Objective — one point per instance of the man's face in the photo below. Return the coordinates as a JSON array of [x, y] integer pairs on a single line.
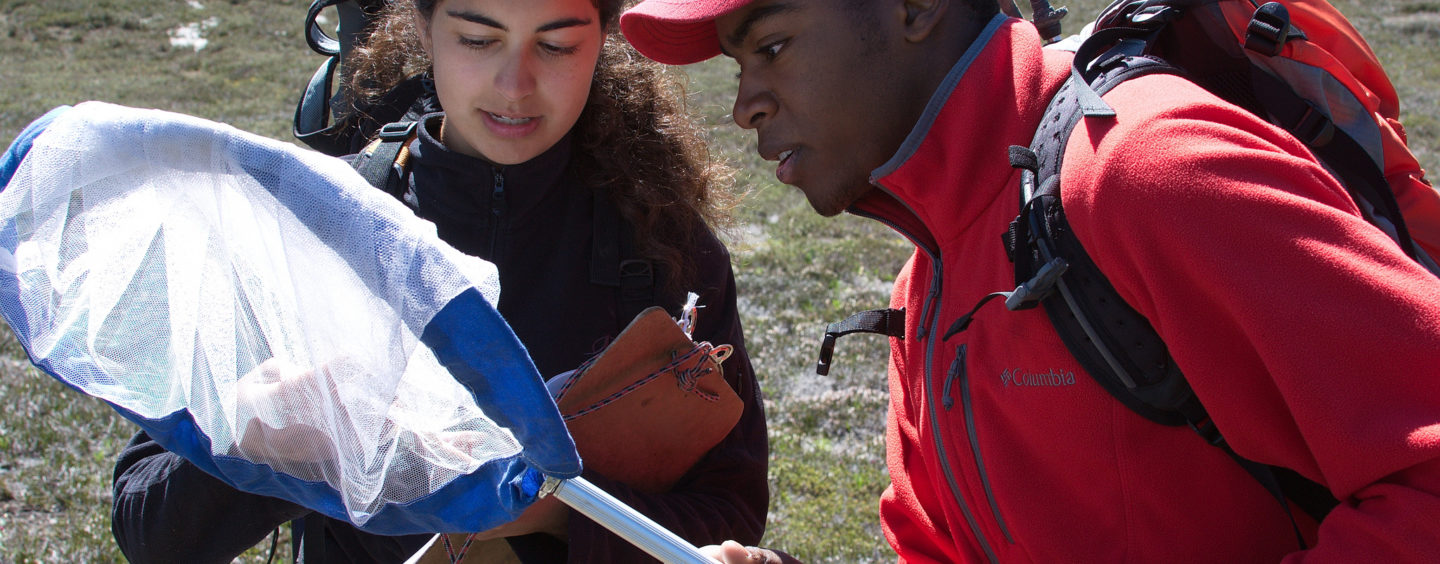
[[817, 84]]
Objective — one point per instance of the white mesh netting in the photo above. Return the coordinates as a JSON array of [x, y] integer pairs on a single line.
[[267, 290]]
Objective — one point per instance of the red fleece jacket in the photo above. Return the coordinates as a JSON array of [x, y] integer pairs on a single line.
[[1313, 342]]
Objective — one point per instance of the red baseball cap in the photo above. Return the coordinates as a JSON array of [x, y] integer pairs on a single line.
[[676, 32]]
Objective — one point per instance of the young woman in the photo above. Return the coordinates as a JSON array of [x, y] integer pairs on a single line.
[[564, 159]]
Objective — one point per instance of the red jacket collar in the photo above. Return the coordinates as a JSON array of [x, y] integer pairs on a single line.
[[955, 161]]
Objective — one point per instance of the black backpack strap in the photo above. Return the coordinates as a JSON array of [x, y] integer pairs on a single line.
[[888, 322], [383, 162], [312, 113], [1115, 344], [615, 261], [1086, 310]]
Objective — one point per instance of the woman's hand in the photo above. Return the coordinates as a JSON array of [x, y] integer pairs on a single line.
[[290, 395], [731, 552]]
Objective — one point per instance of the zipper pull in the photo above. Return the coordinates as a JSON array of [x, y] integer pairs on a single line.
[[497, 196], [957, 367]]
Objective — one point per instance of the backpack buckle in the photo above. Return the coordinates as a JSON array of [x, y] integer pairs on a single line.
[[1046, 18], [1313, 128], [397, 131], [1268, 30], [1207, 430], [636, 278], [1038, 287], [1156, 16]]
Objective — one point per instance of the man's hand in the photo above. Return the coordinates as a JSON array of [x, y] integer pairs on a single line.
[[731, 552]]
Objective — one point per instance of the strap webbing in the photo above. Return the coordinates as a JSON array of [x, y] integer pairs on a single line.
[[888, 322], [377, 163], [615, 261]]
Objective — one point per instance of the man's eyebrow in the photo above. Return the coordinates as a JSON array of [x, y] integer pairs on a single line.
[[737, 37], [476, 18]]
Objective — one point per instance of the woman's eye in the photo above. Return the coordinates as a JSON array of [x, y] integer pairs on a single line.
[[476, 43], [558, 49]]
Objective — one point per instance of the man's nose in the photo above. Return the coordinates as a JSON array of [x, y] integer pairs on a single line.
[[753, 104]]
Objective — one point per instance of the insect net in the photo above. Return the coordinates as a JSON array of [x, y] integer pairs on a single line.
[[262, 311]]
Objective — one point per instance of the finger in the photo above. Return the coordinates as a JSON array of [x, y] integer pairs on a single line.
[[731, 552]]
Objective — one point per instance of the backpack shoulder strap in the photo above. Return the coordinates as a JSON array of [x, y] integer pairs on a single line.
[[615, 261], [383, 162], [1086, 310]]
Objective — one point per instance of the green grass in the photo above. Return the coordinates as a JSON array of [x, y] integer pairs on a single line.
[[796, 271]]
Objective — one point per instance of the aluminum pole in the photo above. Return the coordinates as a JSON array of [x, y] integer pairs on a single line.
[[585, 497]]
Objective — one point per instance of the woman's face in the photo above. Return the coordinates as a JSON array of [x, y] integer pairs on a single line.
[[512, 75]]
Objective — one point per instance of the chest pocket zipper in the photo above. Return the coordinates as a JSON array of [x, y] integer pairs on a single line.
[[957, 372]]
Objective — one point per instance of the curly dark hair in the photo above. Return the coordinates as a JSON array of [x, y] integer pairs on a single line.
[[634, 136]]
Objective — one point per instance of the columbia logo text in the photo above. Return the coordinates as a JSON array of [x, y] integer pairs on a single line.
[[1016, 377]]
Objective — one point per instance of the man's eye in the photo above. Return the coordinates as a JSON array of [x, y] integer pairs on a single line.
[[770, 50]]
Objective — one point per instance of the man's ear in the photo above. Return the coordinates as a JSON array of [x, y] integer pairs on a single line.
[[922, 17]]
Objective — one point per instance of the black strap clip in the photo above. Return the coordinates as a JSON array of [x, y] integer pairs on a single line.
[[397, 131], [1313, 128], [1207, 430], [637, 276], [1268, 30]]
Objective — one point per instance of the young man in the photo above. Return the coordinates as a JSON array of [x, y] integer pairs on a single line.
[[1312, 340]]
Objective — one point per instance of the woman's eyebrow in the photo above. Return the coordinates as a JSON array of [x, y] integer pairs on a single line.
[[476, 18], [487, 21], [563, 23]]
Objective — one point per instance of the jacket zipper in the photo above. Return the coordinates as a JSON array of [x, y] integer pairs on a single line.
[[964, 378], [497, 208], [929, 325], [936, 431]]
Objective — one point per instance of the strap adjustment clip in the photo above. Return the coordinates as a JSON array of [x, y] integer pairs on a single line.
[[398, 131]]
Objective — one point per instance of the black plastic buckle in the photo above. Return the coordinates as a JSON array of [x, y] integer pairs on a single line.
[[1207, 430], [1047, 18], [1268, 30], [397, 131], [1038, 287], [1154, 17], [1313, 128], [636, 278]]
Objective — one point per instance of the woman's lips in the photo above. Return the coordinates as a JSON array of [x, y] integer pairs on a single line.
[[510, 126]]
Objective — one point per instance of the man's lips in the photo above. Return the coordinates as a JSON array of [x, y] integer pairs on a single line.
[[785, 157], [785, 171]]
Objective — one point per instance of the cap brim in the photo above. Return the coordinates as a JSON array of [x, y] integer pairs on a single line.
[[676, 32]]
